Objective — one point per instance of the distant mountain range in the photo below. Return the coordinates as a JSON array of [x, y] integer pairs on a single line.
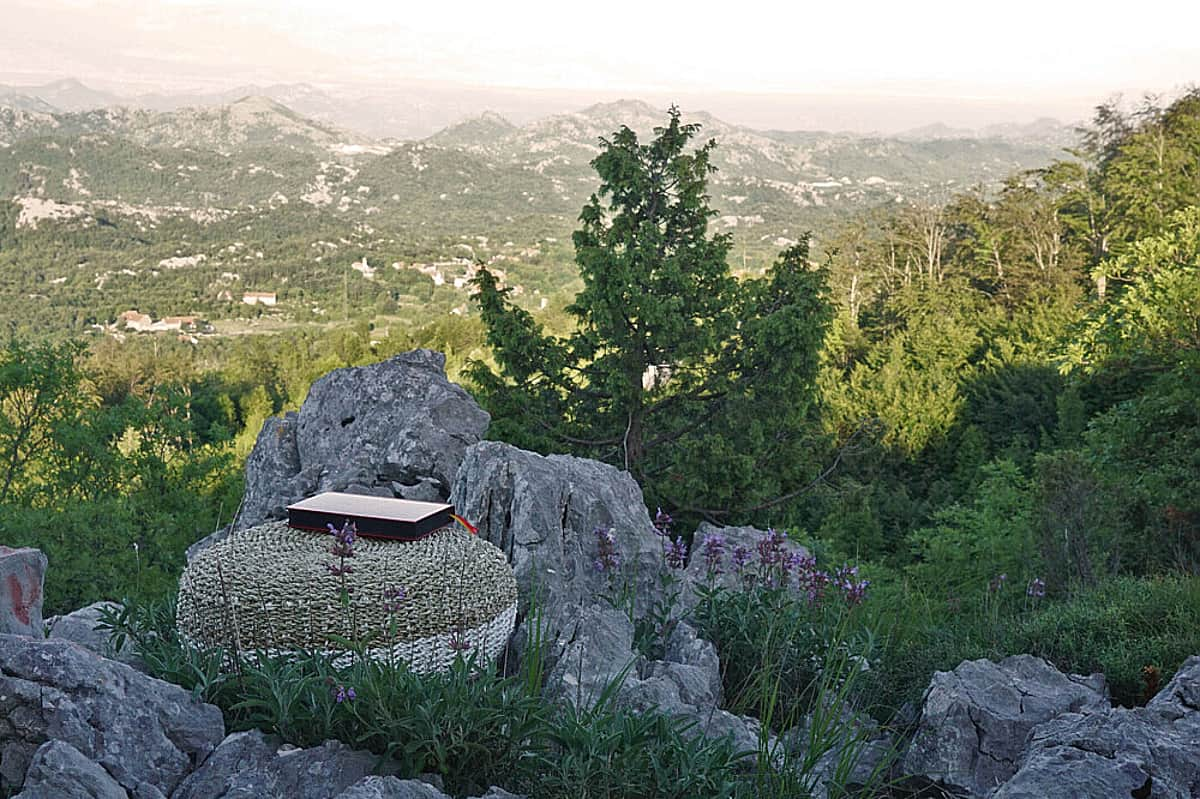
[[253, 121], [763, 176], [407, 113], [176, 211]]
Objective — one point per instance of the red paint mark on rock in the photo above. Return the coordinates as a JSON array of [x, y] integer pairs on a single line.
[[16, 593]]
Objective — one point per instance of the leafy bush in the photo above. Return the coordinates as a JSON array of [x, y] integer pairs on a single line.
[[785, 632], [969, 545], [1118, 629]]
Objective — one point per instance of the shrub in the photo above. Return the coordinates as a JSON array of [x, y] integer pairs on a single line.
[[1118, 629], [968, 545], [779, 633]]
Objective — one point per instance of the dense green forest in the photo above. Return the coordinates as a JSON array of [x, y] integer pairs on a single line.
[[991, 403]]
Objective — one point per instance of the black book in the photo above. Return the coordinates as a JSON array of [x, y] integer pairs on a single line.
[[373, 517]]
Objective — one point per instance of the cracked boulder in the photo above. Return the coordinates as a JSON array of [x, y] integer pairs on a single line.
[[144, 733], [396, 428], [60, 770], [685, 685], [976, 719], [543, 511], [1151, 752]]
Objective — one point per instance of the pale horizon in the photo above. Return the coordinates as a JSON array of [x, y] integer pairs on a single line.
[[870, 68]]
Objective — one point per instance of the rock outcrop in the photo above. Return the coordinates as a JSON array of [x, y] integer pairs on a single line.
[[250, 764], [697, 573], [22, 576], [976, 719], [686, 684], [543, 513], [144, 733], [395, 428], [1151, 752]]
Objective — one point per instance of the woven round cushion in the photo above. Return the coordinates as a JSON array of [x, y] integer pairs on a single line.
[[268, 590]]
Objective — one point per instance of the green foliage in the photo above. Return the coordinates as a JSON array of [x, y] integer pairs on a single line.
[[1148, 167], [779, 651], [470, 725], [698, 384], [1154, 319], [1118, 629], [968, 546], [600, 752], [112, 493]]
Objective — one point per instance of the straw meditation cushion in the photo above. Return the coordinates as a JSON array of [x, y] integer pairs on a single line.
[[268, 590]]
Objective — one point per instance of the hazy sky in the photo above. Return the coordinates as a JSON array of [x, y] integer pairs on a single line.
[[1034, 54]]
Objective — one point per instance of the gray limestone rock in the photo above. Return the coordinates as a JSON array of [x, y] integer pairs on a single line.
[[598, 649], [147, 734], [1151, 752], [396, 428], [376, 787], [80, 626], [976, 719], [543, 511], [251, 765], [22, 575], [697, 574], [59, 770]]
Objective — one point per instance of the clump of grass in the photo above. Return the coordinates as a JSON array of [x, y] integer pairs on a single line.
[[793, 649], [472, 725]]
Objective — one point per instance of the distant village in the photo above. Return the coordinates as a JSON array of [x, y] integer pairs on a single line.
[[188, 327]]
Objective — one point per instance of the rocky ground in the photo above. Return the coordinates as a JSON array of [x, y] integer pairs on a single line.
[[78, 719]]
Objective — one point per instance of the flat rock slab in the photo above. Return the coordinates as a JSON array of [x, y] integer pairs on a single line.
[[59, 770], [251, 765]]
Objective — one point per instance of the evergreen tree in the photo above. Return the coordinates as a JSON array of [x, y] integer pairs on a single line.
[[697, 383]]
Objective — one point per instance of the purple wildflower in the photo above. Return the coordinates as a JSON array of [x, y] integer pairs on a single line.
[[676, 553], [393, 596], [812, 582], [997, 583], [342, 548], [608, 557], [343, 694], [714, 553], [662, 523], [853, 590], [741, 558], [1037, 588], [770, 548]]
